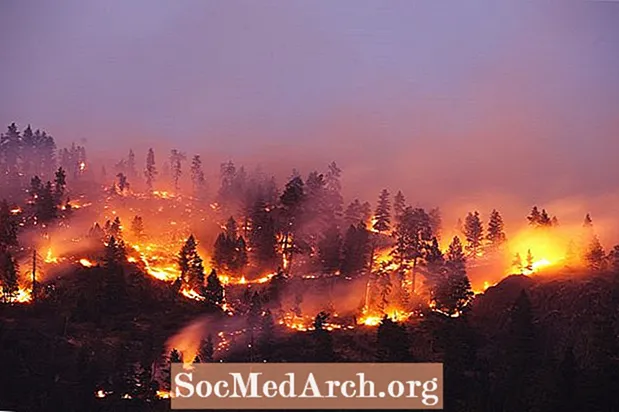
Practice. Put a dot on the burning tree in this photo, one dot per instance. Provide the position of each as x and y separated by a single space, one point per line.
190 264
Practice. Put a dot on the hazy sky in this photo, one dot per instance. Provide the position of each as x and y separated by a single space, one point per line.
469 97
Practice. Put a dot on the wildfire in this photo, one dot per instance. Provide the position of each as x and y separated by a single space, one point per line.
192 294
164 394
16 211
49 257
375 318
163 194
82 166
86 263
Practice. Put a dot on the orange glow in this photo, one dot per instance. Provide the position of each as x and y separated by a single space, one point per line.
86 263
547 248
49 257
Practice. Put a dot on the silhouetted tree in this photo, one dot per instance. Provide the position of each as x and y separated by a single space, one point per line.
131 167
9 275
137 227
197 176
355 250
330 250
529 266
455 293
496 230
263 239
8 227
214 292
535 217
517 264
150 172
176 160
382 214
191 266
207 350
595 255
436 222
323 341
474 232
399 204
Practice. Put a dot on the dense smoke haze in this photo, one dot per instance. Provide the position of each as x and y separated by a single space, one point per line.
475 105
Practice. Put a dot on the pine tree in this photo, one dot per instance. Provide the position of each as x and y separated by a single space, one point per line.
382 214
176 160
131 169
150 173
496 230
474 232
413 236
115 253
175 356
214 292
355 250
436 222
353 213
207 350
292 201
595 255
330 250
517 264
191 266
535 217
9 275
545 220
137 227
8 227
197 176
529 266
399 204
455 293
60 184
333 197
435 267
263 239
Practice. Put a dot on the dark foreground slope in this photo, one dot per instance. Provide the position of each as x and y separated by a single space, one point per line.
527 344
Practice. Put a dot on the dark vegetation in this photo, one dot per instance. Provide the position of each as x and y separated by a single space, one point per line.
526 344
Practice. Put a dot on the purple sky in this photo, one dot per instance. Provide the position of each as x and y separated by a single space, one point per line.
471 97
